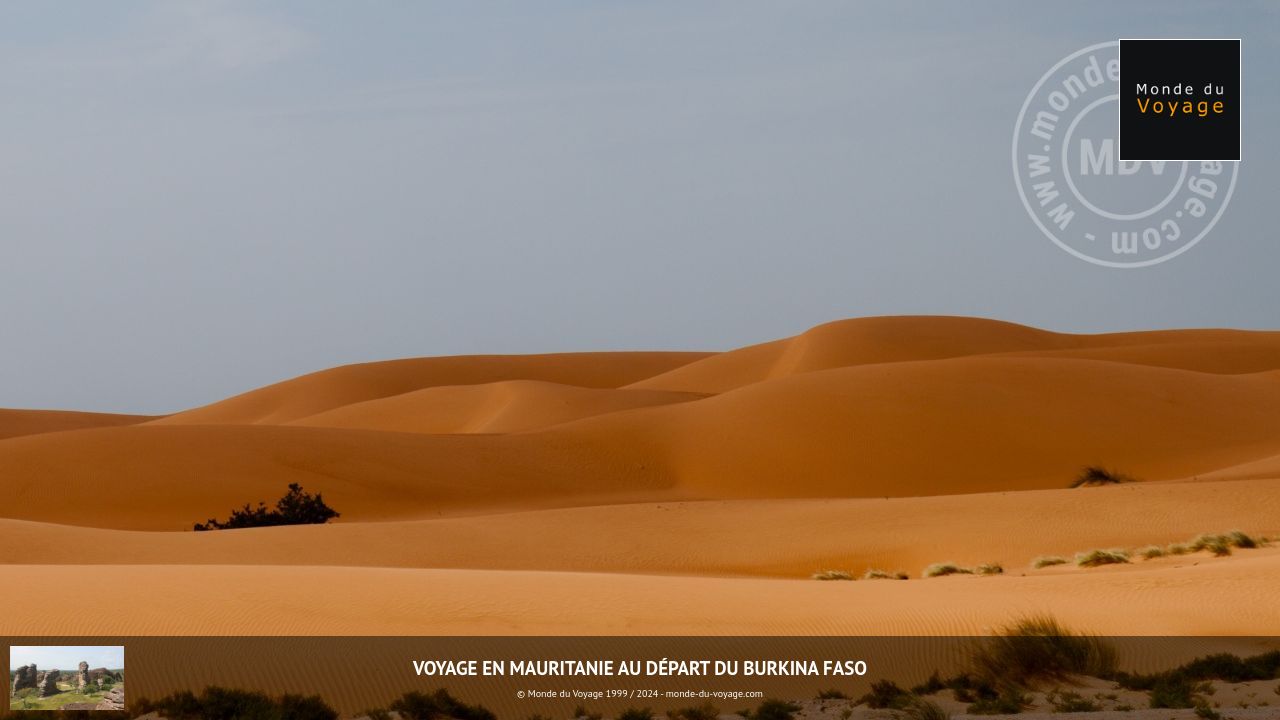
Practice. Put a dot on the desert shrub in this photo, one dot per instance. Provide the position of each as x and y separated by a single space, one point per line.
581 712
886 694
1173 691
775 710
706 711
216 703
1242 540
439 704
990 569
636 714
295 508
1207 713
1064 701
876 574
1178 549
832 575
946 568
832 694
1219 545
926 710
1009 702
1096 558
933 685
1151 552
1094 475
1045 561
1039 648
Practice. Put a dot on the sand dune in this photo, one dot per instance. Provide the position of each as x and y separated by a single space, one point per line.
966 425
17 423
274 600
945 427
328 389
653 493
502 407
167 477
865 341
763 538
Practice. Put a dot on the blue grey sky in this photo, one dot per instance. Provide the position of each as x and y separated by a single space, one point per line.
66 657
204 197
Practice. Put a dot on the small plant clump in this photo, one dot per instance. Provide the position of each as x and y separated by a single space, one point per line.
1095 475
1098 558
1039 648
875 574
926 710
885 694
695 712
832 575
775 710
1151 552
989 569
295 508
946 568
1065 701
1045 561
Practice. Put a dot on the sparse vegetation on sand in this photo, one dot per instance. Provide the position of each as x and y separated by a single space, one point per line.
1099 557
706 711
1095 475
295 508
1219 544
1040 648
989 569
1151 552
832 575
876 574
943 569
926 710
775 710
216 703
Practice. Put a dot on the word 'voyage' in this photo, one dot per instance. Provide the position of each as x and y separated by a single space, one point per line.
640 668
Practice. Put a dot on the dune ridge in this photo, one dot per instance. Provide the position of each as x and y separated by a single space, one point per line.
602 491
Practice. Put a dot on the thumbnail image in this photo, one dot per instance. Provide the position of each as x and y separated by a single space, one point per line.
66 677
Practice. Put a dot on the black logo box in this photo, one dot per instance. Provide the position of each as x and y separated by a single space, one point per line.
1186 66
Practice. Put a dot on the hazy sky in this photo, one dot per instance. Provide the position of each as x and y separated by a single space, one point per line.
203 197
66 657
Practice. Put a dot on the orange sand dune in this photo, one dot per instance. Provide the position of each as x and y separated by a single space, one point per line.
1259 353
865 341
652 493
16 423
768 538
274 600
962 425
943 427
328 389
503 407
165 477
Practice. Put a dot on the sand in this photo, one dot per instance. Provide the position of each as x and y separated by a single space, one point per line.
673 493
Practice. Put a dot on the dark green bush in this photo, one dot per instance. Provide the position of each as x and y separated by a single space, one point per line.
636 714
886 694
295 508
775 710
695 712
1009 702
439 704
